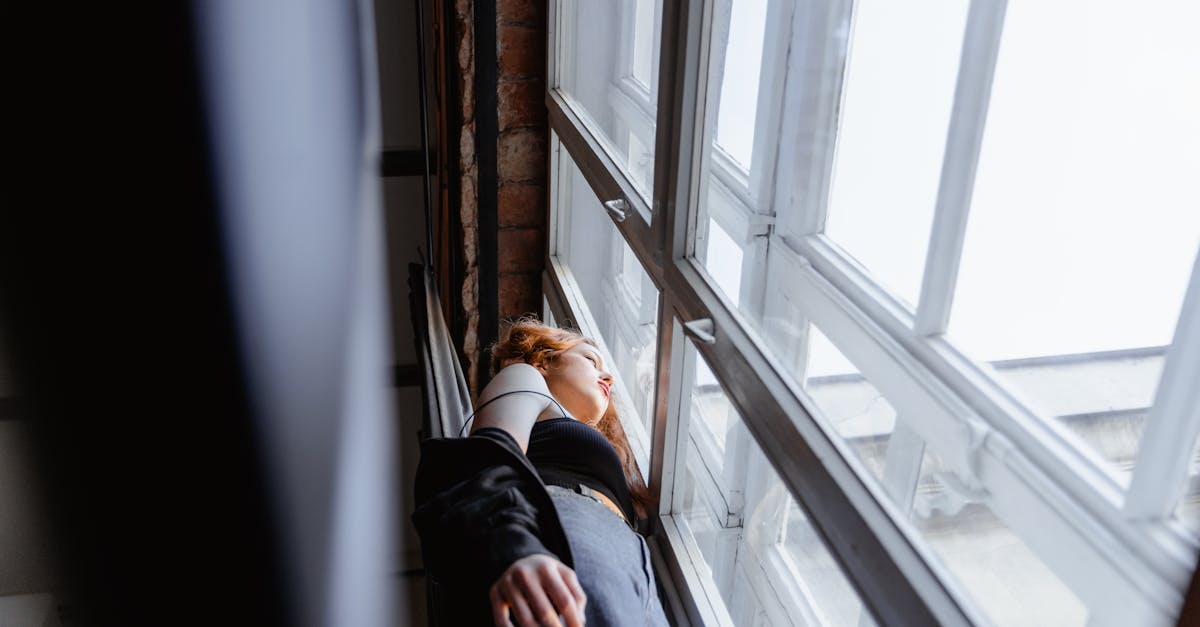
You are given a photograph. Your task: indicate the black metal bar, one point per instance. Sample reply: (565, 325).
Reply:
(12, 409)
(406, 375)
(449, 176)
(487, 134)
(396, 162)
(422, 92)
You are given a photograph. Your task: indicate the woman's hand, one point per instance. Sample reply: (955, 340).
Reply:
(533, 587)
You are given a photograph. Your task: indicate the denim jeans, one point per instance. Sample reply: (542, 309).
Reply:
(611, 561)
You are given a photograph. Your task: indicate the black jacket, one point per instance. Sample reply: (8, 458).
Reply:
(479, 507)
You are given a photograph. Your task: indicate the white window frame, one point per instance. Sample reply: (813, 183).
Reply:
(1126, 559)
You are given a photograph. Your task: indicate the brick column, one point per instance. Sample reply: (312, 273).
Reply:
(521, 158)
(468, 199)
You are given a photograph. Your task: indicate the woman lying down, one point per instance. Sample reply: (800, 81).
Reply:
(530, 520)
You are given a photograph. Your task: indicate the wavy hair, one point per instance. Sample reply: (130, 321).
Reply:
(528, 340)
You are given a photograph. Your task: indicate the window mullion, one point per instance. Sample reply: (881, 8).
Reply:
(769, 111)
(1160, 473)
(902, 464)
(981, 47)
(891, 575)
(807, 135)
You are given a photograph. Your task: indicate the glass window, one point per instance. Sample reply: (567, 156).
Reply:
(897, 92)
(1006, 578)
(619, 297)
(822, 132)
(1188, 509)
(609, 74)
(1084, 221)
(737, 46)
(746, 64)
(761, 553)
(951, 510)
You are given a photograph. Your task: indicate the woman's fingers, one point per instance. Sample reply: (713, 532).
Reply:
(537, 589)
(499, 607)
(533, 585)
(556, 588)
(572, 582)
(520, 609)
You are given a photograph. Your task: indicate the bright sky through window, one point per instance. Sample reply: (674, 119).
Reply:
(739, 86)
(1086, 215)
(1085, 218)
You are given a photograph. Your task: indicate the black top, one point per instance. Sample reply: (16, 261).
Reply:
(567, 452)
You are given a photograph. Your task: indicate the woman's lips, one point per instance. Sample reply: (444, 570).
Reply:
(604, 387)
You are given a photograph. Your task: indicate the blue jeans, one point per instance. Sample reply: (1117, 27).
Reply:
(611, 561)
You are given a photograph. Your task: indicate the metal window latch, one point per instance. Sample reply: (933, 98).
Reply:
(701, 330)
(617, 208)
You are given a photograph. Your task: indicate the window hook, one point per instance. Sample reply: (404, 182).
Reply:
(702, 330)
(618, 208)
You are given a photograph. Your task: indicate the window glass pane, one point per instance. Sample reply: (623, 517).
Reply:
(756, 547)
(726, 254)
(608, 68)
(739, 137)
(1084, 222)
(645, 35)
(1001, 573)
(1188, 510)
(620, 297)
(993, 564)
(896, 99)
(737, 54)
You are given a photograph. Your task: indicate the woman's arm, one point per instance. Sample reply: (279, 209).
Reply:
(514, 413)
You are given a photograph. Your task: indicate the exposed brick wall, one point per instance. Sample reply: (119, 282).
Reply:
(521, 147)
(521, 154)
(464, 31)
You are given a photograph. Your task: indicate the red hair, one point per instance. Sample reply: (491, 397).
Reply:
(528, 340)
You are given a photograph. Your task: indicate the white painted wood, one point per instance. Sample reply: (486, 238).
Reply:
(1167, 552)
(693, 567)
(707, 479)
(902, 466)
(783, 422)
(1160, 474)
(981, 47)
(783, 593)
(679, 375)
(808, 133)
(777, 35)
(559, 229)
(1080, 546)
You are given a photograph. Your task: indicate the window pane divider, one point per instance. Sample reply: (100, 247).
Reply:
(893, 575)
(972, 93)
(902, 463)
(1093, 563)
(1160, 474)
(1167, 555)
(687, 566)
(900, 585)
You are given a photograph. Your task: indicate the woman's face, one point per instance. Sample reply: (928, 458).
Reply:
(578, 379)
